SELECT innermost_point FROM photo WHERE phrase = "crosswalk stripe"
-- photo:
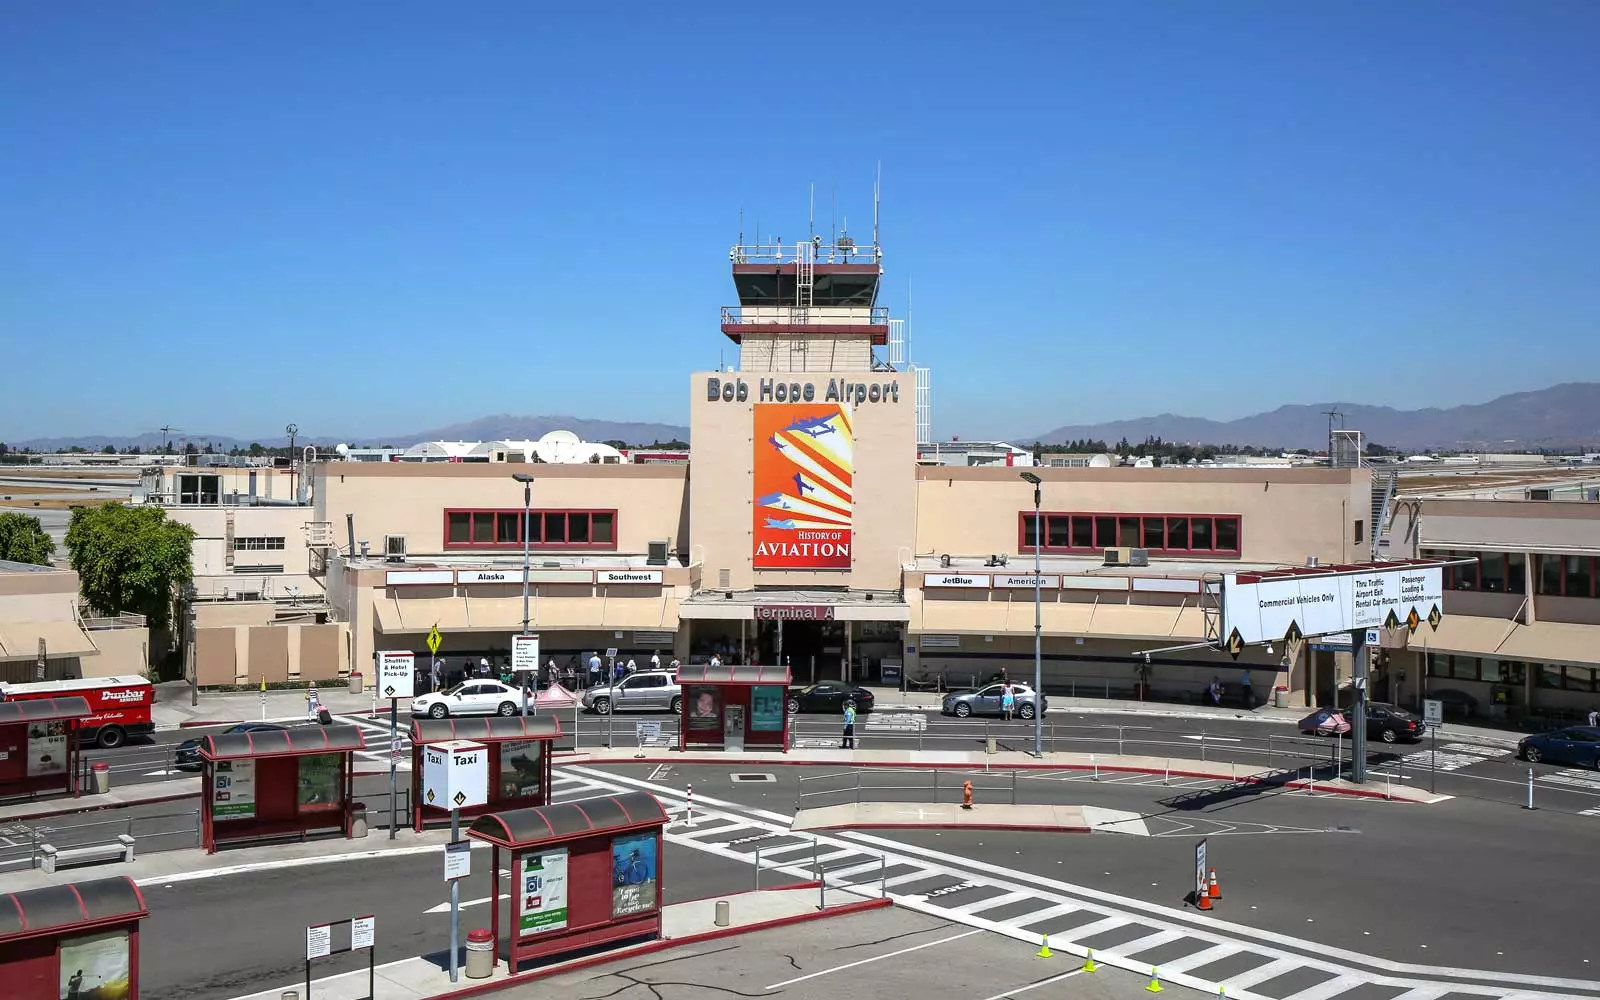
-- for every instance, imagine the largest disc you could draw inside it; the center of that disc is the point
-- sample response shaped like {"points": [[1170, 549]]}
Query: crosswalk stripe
{"points": [[991, 903], [1148, 942], [1048, 913], [1098, 927], [1328, 989], [1203, 957], [1262, 973]]}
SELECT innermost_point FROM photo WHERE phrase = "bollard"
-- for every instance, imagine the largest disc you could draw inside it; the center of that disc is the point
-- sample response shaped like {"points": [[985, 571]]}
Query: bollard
{"points": [[758, 868], [1013, 788], [858, 788], [721, 919], [1096, 764], [1167, 780], [883, 876], [1530, 789], [1202, 745], [689, 809]]}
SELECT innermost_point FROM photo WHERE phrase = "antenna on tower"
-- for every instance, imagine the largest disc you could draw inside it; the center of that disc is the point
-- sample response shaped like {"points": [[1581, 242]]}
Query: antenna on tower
{"points": [[741, 226], [811, 223], [877, 193]]}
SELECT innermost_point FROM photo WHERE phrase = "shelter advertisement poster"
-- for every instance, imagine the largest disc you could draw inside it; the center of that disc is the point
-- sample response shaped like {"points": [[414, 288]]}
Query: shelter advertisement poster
{"points": [[521, 768], [633, 874], [705, 707], [233, 796], [96, 967], [542, 903], [319, 783], [804, 480], [767, 704], [47, 748]]}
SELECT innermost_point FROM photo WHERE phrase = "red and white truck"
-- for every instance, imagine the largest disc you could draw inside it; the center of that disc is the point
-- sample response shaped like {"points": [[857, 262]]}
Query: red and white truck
{"points": [[119, 706]]}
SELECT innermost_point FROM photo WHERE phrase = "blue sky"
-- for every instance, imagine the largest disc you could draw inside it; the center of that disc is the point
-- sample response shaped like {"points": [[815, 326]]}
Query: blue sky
{"points": [[377, 218]]}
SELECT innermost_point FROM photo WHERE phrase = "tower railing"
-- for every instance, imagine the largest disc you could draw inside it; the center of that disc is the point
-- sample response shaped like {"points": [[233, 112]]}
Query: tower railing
{"points": [[841, 251], [794, 315]]}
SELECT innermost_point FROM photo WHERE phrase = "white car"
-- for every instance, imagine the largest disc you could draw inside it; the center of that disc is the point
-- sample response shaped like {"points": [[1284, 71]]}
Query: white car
{"points": [[476, 697]]}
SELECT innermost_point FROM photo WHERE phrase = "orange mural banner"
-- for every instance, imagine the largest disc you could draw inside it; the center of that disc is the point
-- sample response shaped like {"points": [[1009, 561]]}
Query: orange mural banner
{"points": [[804, 486]]}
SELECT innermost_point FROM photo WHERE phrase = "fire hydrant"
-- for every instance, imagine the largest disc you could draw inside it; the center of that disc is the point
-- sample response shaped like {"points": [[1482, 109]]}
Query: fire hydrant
{"points": [[966, 795]]}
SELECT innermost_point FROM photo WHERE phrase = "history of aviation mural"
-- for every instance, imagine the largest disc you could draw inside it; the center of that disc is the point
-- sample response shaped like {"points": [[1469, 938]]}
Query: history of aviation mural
{"points": [[804, 486]]}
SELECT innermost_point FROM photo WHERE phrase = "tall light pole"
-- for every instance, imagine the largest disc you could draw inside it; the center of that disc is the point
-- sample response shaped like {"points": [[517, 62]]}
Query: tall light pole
{"points": [[527, 515], [1038, 623]]}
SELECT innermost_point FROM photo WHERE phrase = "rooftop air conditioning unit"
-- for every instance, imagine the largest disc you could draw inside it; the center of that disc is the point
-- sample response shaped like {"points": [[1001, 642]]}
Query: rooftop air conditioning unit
{"points": [[657, 554], [1539, 493], [1119, 557], [1592, 494], [1138, 557], [394, 548]]}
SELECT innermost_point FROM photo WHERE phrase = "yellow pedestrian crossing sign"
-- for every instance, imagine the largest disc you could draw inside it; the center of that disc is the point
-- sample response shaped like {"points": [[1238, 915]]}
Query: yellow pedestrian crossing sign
{"points": [[434, 639]]}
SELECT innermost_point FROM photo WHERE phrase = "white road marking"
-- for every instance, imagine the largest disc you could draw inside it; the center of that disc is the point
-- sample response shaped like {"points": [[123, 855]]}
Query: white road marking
{"points": [[1218, 938], [1328, 989], [1034, 986], [869, 961], [1048, 913], [1262, 973], [1213, 739], [1147, 943], [993, 902], [444, 907]]}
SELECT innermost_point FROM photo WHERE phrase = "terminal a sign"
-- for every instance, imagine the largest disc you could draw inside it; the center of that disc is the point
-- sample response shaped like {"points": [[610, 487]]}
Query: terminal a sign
{"points": [[770, 390], [794, 613]]}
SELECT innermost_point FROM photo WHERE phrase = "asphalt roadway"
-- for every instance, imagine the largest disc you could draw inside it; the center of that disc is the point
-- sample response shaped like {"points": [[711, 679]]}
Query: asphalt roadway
{"points": [[216, 938]]}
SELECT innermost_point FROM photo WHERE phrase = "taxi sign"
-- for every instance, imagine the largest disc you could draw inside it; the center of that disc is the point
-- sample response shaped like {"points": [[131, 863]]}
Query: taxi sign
{"points": [[434, 639]]}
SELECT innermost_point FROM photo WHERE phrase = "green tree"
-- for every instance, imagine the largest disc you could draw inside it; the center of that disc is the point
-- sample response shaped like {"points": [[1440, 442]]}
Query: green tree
{"points": [[22, 540], [130, 559]]}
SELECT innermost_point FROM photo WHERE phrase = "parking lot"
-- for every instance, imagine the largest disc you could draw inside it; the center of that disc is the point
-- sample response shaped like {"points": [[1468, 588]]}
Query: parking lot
{"points": [[880, 953]]}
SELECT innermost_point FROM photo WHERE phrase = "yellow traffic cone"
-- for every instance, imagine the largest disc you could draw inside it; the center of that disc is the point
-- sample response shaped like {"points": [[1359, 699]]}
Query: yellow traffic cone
{"points": [[1155, 982], [1088, 965], [1044, 948]]}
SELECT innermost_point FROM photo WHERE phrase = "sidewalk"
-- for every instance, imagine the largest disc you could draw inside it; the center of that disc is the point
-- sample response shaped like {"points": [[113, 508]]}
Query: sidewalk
{"points": [[427, 978], [128, 795], [984, 816]]}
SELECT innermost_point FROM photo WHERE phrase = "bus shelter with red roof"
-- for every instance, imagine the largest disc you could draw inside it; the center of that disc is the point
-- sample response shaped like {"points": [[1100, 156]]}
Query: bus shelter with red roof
{"points": [[734, 706], [519, 761], [277, 784], [39, 745], [75, 940], [583, 874]]}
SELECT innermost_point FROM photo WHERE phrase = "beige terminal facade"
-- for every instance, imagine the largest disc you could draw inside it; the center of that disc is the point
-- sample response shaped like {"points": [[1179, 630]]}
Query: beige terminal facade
{"points": [[803, 529]]}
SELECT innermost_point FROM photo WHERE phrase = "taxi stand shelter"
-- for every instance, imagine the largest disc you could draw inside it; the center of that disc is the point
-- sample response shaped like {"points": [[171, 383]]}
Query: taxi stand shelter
{"points": [[583, 874], [519, 761], [72, 940], [734, 706], [278, 783], [39, 745]]}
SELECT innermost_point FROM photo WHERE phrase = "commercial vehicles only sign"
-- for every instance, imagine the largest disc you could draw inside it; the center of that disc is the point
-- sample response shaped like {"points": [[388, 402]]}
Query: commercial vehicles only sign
{"points": [[1258, 608]]}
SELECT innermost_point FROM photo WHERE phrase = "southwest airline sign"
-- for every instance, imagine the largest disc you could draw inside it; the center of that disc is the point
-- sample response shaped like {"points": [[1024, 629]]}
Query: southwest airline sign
{"points": [[1259, 608], [804, 481]]}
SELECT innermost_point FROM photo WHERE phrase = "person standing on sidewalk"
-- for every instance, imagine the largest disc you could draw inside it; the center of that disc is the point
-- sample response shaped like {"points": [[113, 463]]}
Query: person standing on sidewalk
{"points": [[313, 702], [1008, 702], [1248, 692], [435, 674], [849, 726]]}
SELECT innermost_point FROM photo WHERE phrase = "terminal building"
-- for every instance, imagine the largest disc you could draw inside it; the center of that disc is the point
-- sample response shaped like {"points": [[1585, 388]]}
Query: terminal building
{"points": [[809, 527]]}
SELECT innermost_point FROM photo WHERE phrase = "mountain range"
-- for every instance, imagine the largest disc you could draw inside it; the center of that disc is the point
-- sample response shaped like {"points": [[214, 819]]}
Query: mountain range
{"points": [[1562, 416]]}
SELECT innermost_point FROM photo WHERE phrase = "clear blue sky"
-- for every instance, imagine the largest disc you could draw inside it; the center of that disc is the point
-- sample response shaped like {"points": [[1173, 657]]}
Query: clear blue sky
{"points": [[377, 218]]}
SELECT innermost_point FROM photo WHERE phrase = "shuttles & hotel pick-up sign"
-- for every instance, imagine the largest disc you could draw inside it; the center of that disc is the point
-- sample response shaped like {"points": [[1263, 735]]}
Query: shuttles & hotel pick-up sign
{"points": [[1262, 608]]}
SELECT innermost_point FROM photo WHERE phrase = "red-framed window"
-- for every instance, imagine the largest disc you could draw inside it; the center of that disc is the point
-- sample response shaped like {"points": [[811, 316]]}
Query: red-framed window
{"points": [[475, 528], [1164, 534]]}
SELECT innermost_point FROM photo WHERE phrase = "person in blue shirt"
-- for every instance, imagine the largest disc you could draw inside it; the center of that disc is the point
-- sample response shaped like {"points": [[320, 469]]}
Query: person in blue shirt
{"points": [[849, 725]]}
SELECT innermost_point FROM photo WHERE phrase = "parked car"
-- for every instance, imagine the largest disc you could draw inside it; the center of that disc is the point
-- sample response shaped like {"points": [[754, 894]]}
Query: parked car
{"points": [[473, 697], [1385, 722], [187, 754], [1324, 722], [645, 691], [987, 700], [1578, 746], [828, 698]]}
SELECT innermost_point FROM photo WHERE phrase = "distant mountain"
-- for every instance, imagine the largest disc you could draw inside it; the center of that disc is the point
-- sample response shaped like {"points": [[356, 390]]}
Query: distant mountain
{"points": [[1562, 416], [497, 428]]}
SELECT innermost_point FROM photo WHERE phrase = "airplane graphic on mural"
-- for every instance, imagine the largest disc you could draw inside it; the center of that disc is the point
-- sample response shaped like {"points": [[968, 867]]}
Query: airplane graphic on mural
{"points": [[813, 427], [801, 484], [777, 500], [786, 524]]}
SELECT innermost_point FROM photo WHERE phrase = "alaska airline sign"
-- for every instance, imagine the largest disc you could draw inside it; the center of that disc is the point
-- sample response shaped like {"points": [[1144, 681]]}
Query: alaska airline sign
{"points": [[1261, 608], [804, 481]]}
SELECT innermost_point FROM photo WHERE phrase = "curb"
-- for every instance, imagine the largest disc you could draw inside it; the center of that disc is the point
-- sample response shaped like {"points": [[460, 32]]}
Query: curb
{"points": [[1007, 827], [1298, 783], [663, 944]]}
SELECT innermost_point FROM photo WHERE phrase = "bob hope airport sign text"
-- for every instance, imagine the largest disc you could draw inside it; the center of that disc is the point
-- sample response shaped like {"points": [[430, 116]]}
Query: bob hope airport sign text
{"points": [[770, 390]]}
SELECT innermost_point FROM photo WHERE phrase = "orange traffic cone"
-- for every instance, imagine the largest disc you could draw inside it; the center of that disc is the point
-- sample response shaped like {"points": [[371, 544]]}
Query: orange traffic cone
{"points": [[1214, 890], [1202, 900]]}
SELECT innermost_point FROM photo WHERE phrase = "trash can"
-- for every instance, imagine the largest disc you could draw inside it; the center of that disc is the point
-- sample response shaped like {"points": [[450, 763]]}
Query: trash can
{"points": [[102, 777], [1280, 696], [480, 953], [355, 682], [358, 819]]}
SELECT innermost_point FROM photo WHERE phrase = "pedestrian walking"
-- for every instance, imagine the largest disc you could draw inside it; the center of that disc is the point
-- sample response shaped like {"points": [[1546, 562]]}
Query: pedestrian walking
{"points": [[849, 725], [435, 674], [632, 668], [1008, 702], [1594, 717], [1247, 691], [313, 702], [655, 660], [595, 667]]}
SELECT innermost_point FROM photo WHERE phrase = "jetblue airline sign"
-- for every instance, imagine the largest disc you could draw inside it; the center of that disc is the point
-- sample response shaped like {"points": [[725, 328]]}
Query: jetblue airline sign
{"points": [[771, 390]]}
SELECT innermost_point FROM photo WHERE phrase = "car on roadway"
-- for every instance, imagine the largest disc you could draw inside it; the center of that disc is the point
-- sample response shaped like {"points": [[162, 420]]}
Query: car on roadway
{"points": [[186, 757], [641, 691], [471, 697], [1386, 722], [828, 698], [987, 701], [1578, 746]]}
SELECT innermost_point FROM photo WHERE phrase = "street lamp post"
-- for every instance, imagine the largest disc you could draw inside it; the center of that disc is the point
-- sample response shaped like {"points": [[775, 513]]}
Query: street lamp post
{"points": [[1038, 624], [527, 514]]}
